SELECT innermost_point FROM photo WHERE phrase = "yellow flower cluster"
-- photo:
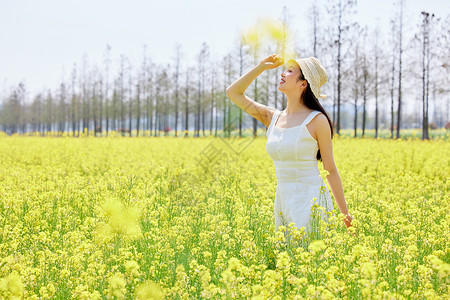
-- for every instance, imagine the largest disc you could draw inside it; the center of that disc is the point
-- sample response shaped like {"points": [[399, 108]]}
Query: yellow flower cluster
{"points": [[121, 222], [11, 286], [272, 33], [121, 218]]}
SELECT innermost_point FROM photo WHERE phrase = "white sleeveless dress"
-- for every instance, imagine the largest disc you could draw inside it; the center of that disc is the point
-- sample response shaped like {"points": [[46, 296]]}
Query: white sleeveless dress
{"points": [[293, 151]]}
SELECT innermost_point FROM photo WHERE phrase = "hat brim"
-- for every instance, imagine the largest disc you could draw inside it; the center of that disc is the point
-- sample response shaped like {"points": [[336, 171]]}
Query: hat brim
{"points": [[292, 61]]}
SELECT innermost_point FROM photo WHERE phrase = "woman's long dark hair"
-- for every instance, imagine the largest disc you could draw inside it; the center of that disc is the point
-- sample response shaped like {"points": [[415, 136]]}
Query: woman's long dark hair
{"points": [[311, 102]]}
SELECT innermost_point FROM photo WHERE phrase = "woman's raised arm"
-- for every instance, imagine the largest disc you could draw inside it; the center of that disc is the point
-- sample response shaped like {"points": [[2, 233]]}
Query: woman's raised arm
{"points": [[237, 89]]}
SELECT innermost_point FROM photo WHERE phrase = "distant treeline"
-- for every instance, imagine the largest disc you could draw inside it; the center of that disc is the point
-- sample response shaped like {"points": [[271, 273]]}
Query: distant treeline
{"points": [[390, 76]]}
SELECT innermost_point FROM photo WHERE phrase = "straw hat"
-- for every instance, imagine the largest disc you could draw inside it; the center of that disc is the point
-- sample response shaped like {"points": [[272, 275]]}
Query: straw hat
{"points": [[314, 73]]}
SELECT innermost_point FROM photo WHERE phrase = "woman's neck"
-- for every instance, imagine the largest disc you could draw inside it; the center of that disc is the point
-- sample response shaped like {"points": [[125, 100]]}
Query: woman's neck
{"points": [[295, 105]]}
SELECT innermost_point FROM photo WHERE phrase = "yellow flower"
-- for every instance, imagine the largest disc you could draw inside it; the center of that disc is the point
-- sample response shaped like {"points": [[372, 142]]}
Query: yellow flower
{"points": [[305, 257], [279, 235], [207, 254], [252, 38], [303, 280], [329, 273], [121, 221], [274, 29], [149, 290], [324, 173], [132, 267], [311, 291], [233, 263], [368, 270], [12, 284], [317, 246], [412, 250], [268, 31], [357, 249], [283, 261], [116, 286]]}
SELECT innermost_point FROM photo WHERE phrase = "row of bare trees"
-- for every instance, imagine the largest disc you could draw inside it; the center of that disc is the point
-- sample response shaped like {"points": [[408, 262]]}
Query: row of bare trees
{"points": [[393, 75]]}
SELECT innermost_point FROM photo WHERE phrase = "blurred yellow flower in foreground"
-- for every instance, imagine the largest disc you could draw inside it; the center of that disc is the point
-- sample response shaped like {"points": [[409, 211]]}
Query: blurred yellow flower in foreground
{"points": [[11, 287], [268, 31], [317, 246], [251, 37], [274, 29], [132, 267], [149, 290], [116, 287], [121, 222]]}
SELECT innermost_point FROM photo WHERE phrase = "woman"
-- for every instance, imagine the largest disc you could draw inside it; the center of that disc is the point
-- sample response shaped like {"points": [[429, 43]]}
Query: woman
{"points": [[297, 137]]}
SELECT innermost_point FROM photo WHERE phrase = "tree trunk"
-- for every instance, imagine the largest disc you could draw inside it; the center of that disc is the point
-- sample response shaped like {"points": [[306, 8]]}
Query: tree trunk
{"points": [[338, 127], [399, 109], [376, 85], [138, 108], [365, 74], [186, 107], [177, 75]]}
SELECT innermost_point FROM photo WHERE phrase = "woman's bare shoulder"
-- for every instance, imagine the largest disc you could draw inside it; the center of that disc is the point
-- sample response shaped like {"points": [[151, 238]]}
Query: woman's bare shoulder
{"points": [[321, 123], [321, 118]]}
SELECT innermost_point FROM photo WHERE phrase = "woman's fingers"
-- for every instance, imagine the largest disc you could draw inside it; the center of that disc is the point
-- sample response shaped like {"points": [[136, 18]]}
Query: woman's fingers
{"points": [[273, 61], [276, 61], [348, 221], [280, 61], [274, 57]]}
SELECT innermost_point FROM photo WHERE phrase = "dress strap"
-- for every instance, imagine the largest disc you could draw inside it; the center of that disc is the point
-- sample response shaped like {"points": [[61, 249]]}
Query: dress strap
{"points": [[310, 117]]}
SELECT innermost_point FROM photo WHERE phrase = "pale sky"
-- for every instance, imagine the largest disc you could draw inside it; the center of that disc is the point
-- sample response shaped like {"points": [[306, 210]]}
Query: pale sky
{"points": [[42, 39]]}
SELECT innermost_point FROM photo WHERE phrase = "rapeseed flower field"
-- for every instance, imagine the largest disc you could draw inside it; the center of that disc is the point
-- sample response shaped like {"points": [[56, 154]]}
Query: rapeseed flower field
{"points": [[183, 218]]}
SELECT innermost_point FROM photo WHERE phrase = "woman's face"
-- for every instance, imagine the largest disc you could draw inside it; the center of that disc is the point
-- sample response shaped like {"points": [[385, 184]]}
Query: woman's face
{"points": [[290, 78]]}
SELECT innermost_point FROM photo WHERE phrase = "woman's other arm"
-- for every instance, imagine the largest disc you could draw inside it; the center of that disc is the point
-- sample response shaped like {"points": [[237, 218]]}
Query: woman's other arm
{"points": [[323, 133]]}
